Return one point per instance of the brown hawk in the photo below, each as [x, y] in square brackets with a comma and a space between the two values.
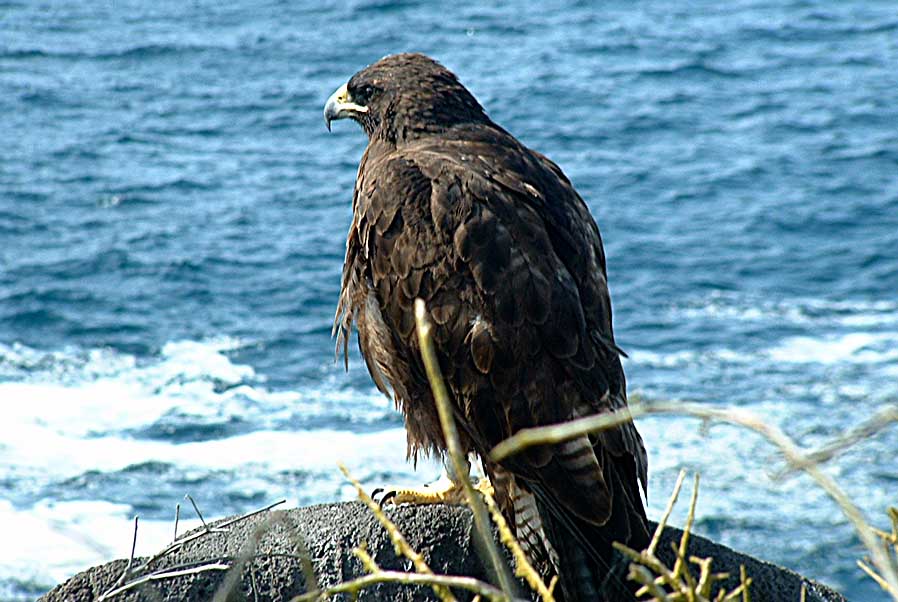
[450, 208]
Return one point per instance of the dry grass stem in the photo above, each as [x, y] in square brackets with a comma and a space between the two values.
[687, 528]
[873, 575]
[656, 537]
[246, 554]
[523, 568]
[197, 510]
[678, 584]
[400, 544]
[794, 456]
[143, 576]
[221, 528]
[746, 581]
[456, 455]
[861, 432]
[890, 546]
[354, 586]
[127, 572]
[160, 575]
[177, 520]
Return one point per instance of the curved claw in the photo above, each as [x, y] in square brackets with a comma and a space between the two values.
[387, 497]
[375, 493]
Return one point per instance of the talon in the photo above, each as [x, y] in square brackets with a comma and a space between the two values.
[387, 497]
[485, 487]
[374, 494]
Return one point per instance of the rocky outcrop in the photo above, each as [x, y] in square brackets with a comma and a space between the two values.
[266, 550]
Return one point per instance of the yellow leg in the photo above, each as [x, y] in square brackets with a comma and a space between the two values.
[443, 491]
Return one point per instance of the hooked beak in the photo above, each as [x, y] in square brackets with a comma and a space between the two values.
[340, 106]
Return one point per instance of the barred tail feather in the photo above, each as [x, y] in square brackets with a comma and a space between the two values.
[588, 566]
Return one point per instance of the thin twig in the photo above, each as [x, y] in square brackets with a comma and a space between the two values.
[215, 566]
[243, 517]
[656, 578]
[791, 452]
[305, 558]
[745, 581]
[861, 432]
[687, 528]
[127, 570]
[523, 568]
[220, 528]
[197, 510]
[246, 554]
[876, 577]
[400, 544]
[367, 561]
[356, 585]
[656, 537]
[177, 520]
[646, 578]
[456, 454]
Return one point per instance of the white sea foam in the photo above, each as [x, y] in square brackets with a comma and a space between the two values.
[62, 457]
[72, 411]
[685, 357]
[859, 347]
[853, 347]
[64, 426]
[801, 311]
[77, 394]
[51, 541]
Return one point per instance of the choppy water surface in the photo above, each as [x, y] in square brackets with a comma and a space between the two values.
[173, 215]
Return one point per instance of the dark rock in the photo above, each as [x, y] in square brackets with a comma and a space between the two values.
[267, 547]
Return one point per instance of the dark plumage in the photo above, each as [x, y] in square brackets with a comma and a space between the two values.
[451, 208]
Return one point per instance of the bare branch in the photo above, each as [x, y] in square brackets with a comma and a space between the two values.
[197, 510]
[215, 566]
[863, 431]
[653, 545]
[356, 585]
[127, 572]
[657, 580]
[221, 528]
[794, 456]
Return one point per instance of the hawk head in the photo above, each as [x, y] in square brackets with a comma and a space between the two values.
[402, 97]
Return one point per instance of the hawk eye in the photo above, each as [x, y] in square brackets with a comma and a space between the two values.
[363, 94]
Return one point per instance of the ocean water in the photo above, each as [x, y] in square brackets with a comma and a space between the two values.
[173, 217]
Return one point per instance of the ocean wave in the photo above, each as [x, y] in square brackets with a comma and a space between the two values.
[853, 347]
[682, 358]
[177, 184]
[858, 348]
[54, 540]
[109, 409]
[794, 311]
[140, 51]
[692, 68]
[817, 33]
[78, 434]
[792, 331]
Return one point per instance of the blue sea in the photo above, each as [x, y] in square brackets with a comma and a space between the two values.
[173, 217]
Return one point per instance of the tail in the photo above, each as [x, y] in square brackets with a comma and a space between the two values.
[587, 565]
